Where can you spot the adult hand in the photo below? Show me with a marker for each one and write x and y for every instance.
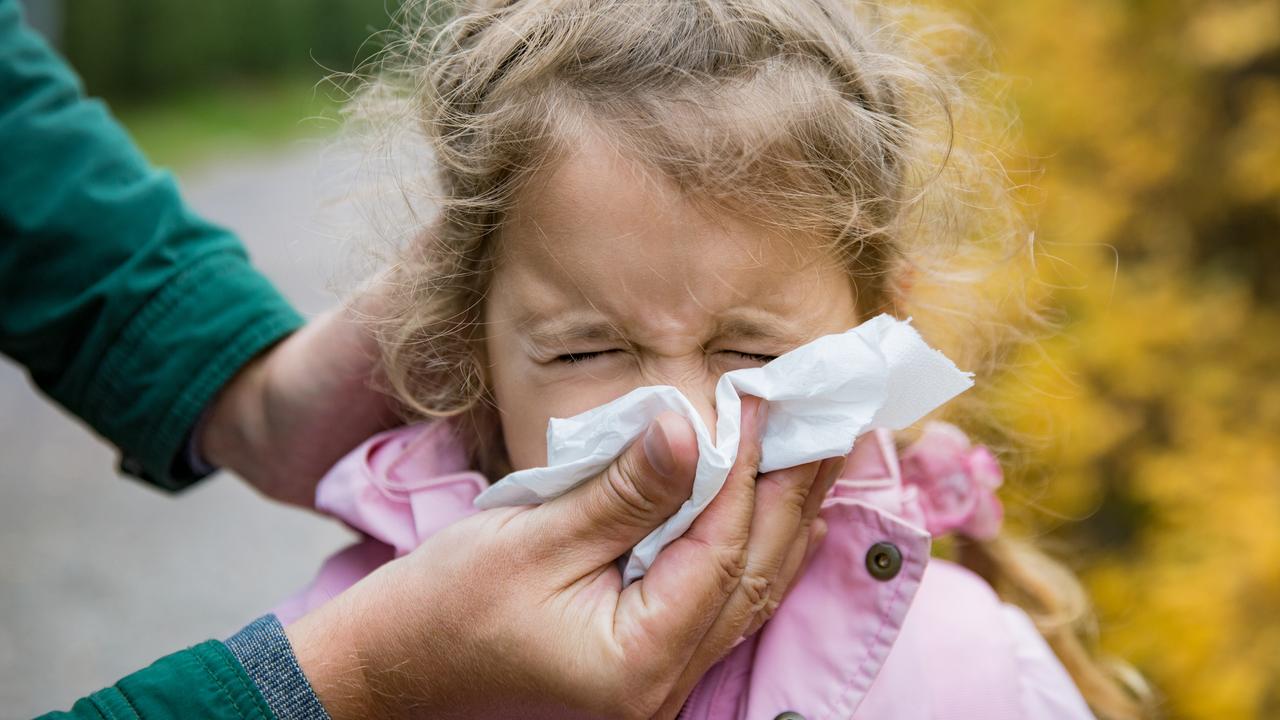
(294, 411)
(521, 611)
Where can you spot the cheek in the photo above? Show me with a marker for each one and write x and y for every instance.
(525, 406)
(526, 399)
(523, 425)
(528, 395)
(516, 403)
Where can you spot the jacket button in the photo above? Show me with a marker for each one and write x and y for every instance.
(788, 715)
(884, 560)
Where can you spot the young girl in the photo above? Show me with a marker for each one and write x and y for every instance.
(655, 192)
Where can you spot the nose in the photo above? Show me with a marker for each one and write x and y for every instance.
(698, 384)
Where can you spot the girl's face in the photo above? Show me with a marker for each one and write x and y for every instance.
(608, 280)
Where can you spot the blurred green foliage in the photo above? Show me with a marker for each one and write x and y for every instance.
(187, 128)
(129, 50)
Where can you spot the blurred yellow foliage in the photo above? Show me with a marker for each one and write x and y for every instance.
(1157, 407)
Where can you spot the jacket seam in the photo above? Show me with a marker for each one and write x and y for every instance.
(103, 708)
(253, 335)
(129, 701)
(878, 640)
(249, 688)
(159, 306)
(120, 352)
(221, 685)
(257, 337)
(104, 390)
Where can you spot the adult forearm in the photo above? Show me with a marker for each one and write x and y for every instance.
(125, 307)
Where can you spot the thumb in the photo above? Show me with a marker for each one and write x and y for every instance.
(606, 516)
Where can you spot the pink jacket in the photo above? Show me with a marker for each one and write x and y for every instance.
(873, 629)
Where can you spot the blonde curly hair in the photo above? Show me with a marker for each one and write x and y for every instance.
(867, 124)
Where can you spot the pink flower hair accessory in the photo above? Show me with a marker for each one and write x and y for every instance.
(957, 482)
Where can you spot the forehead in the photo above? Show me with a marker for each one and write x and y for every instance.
(602, 233)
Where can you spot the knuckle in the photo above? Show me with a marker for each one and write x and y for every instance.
(795, 495)
(744, 475)
(732, 565)
(756, 590)
(792, 486)
(749, 458)
(633, 500)
(770, 607)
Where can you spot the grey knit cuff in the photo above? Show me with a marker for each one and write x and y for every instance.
(264, 651)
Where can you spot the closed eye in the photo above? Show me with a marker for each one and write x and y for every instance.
(574, 358)
(754, 357)
(581, 357)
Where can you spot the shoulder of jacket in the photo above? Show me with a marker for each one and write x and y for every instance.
(959, 613)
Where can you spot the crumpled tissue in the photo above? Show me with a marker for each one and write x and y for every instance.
(822, 396)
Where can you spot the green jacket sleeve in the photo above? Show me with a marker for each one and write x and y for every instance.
(204, 681)
(124, 306)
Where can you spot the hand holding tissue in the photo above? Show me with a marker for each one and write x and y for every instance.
(822, 396)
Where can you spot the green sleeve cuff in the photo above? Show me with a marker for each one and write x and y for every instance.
(124, 305)
(175, 354)
(204, 681)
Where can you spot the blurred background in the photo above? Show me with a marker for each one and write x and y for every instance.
(1154, 414)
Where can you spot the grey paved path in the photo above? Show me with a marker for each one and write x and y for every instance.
(99, 575)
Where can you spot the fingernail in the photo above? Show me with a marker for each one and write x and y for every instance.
(657, 448)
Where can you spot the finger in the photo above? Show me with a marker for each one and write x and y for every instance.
(801, 551)
(776, 526)
(782, 504)
(666, 614)
(797, 562)
(604, 517)
(828, 471)
(817, 535)
(726, 521)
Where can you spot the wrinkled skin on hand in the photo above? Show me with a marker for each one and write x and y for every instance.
(521, 611)
(295, 410)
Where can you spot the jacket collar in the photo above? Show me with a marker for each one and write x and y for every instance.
(822, 649)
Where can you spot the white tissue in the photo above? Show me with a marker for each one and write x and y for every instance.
(821, 396)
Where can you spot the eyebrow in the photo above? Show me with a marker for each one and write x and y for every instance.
(562, 330)
(756, 329)
(558, 331)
